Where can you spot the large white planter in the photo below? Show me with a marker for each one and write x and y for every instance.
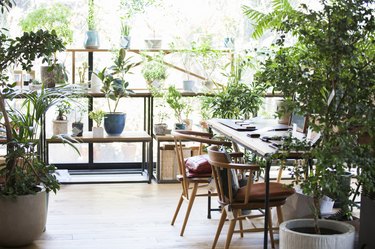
(295, 240)
(22, 219)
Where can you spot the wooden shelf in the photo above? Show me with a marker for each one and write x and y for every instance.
(125, 137)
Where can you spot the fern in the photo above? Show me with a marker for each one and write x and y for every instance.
(263, 21)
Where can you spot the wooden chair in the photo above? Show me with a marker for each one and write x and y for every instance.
(187, 178)
(236, 198)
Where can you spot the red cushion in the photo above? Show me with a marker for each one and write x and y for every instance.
(278, 191)
(198, 165)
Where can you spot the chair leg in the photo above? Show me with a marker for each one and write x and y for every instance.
(209, 205)
(270, 229)
(190, 205)
(241, 226)
(220, 227)
(279, 215)
(232, 225)
(177, 209)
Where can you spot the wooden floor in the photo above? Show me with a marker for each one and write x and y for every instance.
(134, 216)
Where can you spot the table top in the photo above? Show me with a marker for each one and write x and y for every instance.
(241, 137)
(126, 136)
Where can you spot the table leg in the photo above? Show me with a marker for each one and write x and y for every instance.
(266, 202)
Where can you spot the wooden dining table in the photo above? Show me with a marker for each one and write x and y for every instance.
(250, 137)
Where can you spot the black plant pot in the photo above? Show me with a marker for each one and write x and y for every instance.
(367, 224)
(77, 129)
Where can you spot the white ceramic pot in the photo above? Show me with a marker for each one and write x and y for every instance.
(290, 239)
(96, 83)
(23, 220)
(153, 43)
(97, 131)
(59, 127)
(188, 85)
(125, 41)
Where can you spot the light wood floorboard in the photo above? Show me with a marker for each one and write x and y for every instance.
(136, 216)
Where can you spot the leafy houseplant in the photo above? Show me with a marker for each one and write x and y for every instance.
(329, 70)
(55, 17)
(115, 87)
(236, 100)
(92, 36)
(175, 101)
(25, 171)
(97, 116)
(207, 58)
(154, 71)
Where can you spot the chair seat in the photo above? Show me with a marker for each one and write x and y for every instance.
(257, 193)
(195, 177)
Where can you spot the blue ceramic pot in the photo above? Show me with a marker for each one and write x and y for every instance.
(91, 40)
(114, 123)
(180, 126)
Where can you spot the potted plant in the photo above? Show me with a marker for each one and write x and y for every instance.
(207, 58)
(25, 177)
(154, 71)
(35, 85)
(82, 72)
(321, 71)
(175, 101)
(92, 36)
(56, 17)
(125, 35)
(60, 124)
(160, 127)
(97, 116)
(187, 56)
(237, 99)
(115, 87)
(127, 11)
(80, 109)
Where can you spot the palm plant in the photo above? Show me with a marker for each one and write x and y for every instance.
(266, 21)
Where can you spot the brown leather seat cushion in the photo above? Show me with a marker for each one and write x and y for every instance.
(278, 191)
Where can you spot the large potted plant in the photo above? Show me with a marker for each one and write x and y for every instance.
(115, 87)
(25, 177)
(56, 17)
(330, 72)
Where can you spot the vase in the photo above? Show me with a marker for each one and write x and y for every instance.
(229, 42)
(97, 131)
(153, 43)
(125, 41)
(114, 123)
(188, 85)
(91, 40)
(77, 129)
